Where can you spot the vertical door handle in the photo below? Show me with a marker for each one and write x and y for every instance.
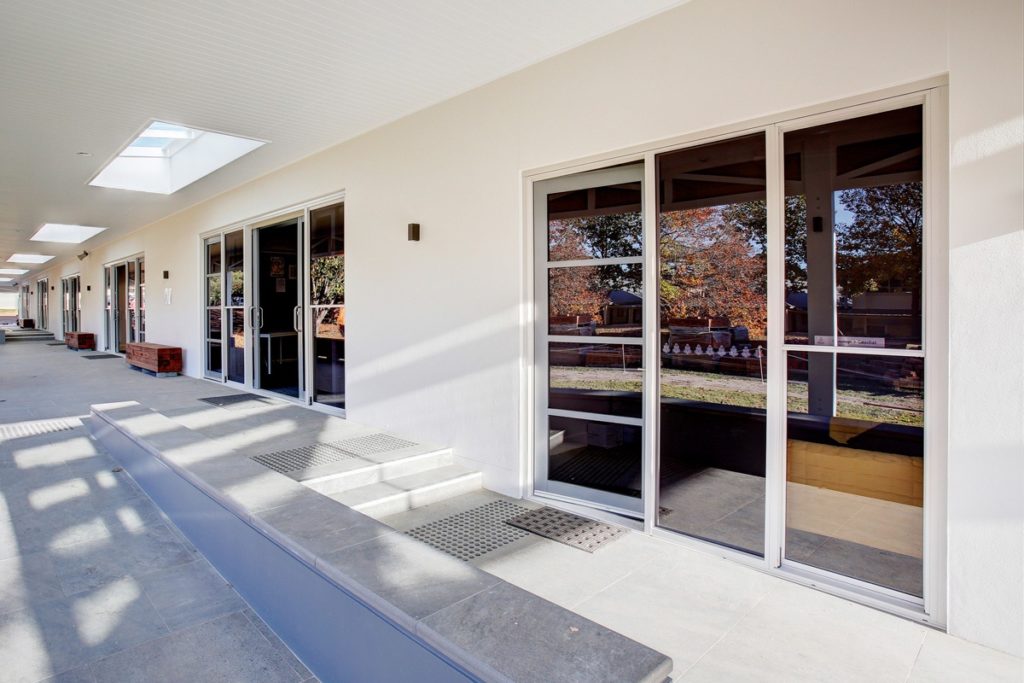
(296, 318)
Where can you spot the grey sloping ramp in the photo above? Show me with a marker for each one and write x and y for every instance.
(314, 568)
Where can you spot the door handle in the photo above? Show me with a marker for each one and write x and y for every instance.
(296, 318)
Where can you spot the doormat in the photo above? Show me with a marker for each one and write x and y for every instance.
(565, 527)
(233, 400)
(56, 343)
(99, 356)
(470, 534)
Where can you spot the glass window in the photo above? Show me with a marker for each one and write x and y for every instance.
(854, 225)
(713, 305)
(597, 222)
(596, 378)
(596, 300)
(595, 454)
(855, 466)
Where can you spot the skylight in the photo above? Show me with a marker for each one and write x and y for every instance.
(166, 157)
(5, 279)
(60, 232)
(29, 258)
(12, 271)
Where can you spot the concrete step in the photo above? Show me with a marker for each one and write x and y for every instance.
(363, 473)
(404, 493)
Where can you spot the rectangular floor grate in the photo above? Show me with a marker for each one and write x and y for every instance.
(98, 356)
(565, 527)
(56, 343)
(470, 534)
(303, 457)
(232, 400)
(18, 430)
(372, 444)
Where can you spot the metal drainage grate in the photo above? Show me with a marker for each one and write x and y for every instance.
(18, 430)
(232, 400)
(56, 343)
(470, 534)
(373, 443)
(303, 458)
(565, 527)
(97, 356)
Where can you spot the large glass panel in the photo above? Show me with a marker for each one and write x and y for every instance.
(234, 269)
(130, 297)
(596, 378)
(596, 300)
(854, 225)
(596, 455)
(142, 301)
(327, 256)
(597, 222)
(329, 355)
(713, 340)
(327, 296)
(855, 472)
(236, 345)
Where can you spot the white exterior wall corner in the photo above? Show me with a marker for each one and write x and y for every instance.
(986, 300)
(434, 349)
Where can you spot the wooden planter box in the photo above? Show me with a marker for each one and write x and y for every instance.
(80, 341)
(156, 358)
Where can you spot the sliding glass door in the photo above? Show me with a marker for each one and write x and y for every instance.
(269, 307)
(589, 338)
(43, 302)
(773, 401)
(124, 303)
(71, 302)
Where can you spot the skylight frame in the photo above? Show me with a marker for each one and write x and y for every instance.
(34, 259)
(65, 233)
(198, 151)
(13, 271)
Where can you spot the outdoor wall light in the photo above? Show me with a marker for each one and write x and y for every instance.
(414, 232)
(81, 257)
(167, 275)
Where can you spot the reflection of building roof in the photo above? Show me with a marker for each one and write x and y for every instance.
(619, 297)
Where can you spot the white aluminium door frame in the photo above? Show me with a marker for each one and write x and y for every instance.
(932, 96)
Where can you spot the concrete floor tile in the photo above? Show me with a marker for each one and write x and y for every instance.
(414, 578)
(796, 634)
(190, 593)
(27, 579)
(945, 659)
(228, 649)
(277, 645)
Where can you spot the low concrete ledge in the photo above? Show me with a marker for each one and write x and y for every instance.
(319, 572)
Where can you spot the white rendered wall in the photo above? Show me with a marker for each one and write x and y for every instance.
(433, 327)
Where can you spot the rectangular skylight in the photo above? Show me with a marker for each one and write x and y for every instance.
(12, 271)
(5, 279)
(60, 232)
(166, 157)
(29, 258)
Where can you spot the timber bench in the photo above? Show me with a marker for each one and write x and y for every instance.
(161, 360)
(80, 341)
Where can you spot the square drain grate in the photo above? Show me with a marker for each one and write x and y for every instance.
(303, 457)
(565, 527)
(470, 534)
(232, 400)
(373, 443)
(18, 430)
(99, 356)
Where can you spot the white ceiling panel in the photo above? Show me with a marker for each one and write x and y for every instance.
(87, 75)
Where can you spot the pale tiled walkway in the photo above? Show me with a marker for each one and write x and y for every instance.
(152, 605)
(95, 585)
(720, 621)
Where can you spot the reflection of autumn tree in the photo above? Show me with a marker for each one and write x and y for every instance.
(880, 249)
(752, 219)
(572, 291)
(710, 268)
